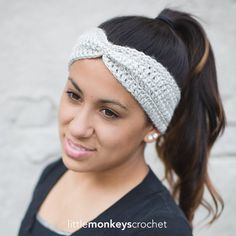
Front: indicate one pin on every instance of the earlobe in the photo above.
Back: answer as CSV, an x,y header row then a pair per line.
x,y
152,132
149,138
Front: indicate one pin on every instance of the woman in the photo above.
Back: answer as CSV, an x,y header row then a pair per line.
x,y
133,80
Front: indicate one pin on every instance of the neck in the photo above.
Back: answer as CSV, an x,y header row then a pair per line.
x,y
126,175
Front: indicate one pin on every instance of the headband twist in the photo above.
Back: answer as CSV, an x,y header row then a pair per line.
x,y
148,81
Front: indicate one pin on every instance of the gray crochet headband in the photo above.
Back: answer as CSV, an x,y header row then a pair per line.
x,y
148,81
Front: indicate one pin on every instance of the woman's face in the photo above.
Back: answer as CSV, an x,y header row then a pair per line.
x,y
116,133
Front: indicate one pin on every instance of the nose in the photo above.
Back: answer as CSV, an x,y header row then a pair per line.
x,y
81,126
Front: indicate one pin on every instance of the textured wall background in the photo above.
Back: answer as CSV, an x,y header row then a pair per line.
x,y
35,42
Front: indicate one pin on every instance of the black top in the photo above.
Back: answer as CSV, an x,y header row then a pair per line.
x,y
147,209
40,229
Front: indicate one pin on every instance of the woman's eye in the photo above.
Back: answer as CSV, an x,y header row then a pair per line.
x,y
110,114
73,96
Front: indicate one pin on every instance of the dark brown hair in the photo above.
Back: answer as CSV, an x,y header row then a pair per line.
x,y
180,43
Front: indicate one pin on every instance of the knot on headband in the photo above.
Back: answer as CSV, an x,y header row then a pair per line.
x,y
148,81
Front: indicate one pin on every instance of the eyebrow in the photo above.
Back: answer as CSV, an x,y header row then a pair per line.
x,y
101,100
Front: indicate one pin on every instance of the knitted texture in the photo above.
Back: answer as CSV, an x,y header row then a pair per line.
x,y
147,80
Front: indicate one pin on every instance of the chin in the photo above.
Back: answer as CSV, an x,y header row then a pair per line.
x,y
77,166
73,164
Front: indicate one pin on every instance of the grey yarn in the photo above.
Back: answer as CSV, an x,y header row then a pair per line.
x,y
148,81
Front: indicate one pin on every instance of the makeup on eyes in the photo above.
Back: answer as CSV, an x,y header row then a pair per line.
x,y
100,101
114,115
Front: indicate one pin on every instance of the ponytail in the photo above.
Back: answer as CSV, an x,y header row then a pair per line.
x,y
177,41
197,122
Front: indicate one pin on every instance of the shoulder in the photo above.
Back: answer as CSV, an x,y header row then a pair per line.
x,y
160,214
164,225
39,193
47,170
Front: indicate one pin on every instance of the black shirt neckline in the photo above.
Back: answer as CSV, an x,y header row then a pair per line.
x,y
147,185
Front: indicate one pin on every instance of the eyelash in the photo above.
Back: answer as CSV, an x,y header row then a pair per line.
x,y
70,94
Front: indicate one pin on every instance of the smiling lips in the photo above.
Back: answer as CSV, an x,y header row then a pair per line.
x,y
75,150
79,146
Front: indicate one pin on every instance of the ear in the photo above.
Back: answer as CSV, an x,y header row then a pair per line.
x,y
151,135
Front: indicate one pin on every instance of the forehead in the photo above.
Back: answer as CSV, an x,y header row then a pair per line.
x,y
95,80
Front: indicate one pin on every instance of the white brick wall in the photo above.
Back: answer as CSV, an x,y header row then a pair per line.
x,y
36,39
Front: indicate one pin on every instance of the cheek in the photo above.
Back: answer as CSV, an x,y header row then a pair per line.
x,y
65,113
118,138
